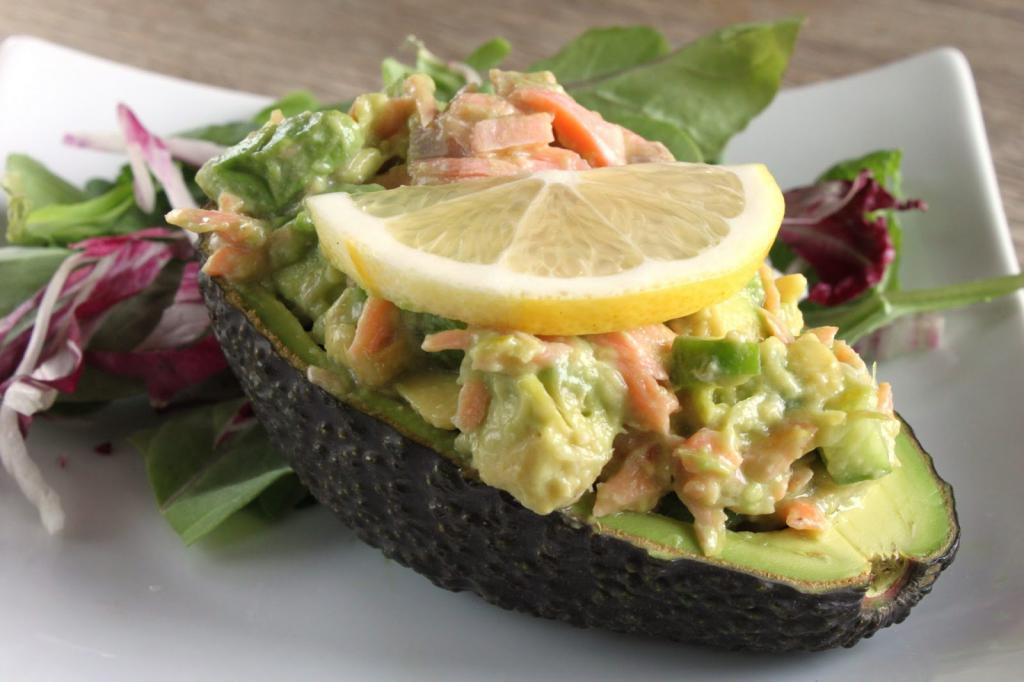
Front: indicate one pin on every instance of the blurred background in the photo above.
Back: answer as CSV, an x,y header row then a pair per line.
x,y
334,47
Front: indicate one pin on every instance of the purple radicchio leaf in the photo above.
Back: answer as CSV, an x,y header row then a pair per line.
x,y
43,342
838,229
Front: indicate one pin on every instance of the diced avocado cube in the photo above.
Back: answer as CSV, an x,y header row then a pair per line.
x,y
861,453
288,245
713,361
309,286
433,394
275,166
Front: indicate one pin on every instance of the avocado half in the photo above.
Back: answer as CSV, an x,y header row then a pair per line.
x,y
384,473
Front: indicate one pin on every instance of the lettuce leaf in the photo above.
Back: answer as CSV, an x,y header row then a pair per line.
x,y
603,52
24,270
206,464
853,207
706,91
133,312
32,184
130,321
46,210
488,55
885,165
838,228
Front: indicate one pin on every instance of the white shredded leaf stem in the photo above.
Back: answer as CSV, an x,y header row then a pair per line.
x,y
26,473
192,151
145,190
13,452
45,312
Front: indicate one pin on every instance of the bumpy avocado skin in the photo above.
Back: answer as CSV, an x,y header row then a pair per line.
x,y
418,508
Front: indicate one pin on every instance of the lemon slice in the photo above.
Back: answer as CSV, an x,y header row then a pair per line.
x,y
558,252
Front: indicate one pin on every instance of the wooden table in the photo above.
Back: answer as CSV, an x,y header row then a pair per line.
x,y
334,47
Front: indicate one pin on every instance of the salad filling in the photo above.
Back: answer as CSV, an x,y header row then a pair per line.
x,y
737,416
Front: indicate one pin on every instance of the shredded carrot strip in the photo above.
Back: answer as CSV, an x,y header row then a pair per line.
x,y
474,399
844,353
634,487
772,300
450,339
827,335
776,327
885,397
637,358
376,327
236,263
803,515
713,442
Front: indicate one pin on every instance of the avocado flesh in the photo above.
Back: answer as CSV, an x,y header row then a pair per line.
x,y
433,394
842,555
846,553
861,454
377,466
302,351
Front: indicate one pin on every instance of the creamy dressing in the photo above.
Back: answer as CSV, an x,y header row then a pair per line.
x,y
554,410
739,447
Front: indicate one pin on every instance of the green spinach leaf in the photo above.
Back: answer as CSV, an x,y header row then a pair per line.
x,y
199,482
488,56
708,90
602,52
283,495
29,185
24,270
45,210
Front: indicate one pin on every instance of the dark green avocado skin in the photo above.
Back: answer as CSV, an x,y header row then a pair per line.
x,y
420,510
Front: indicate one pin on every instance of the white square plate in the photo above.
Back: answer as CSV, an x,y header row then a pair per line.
x,y
118,596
